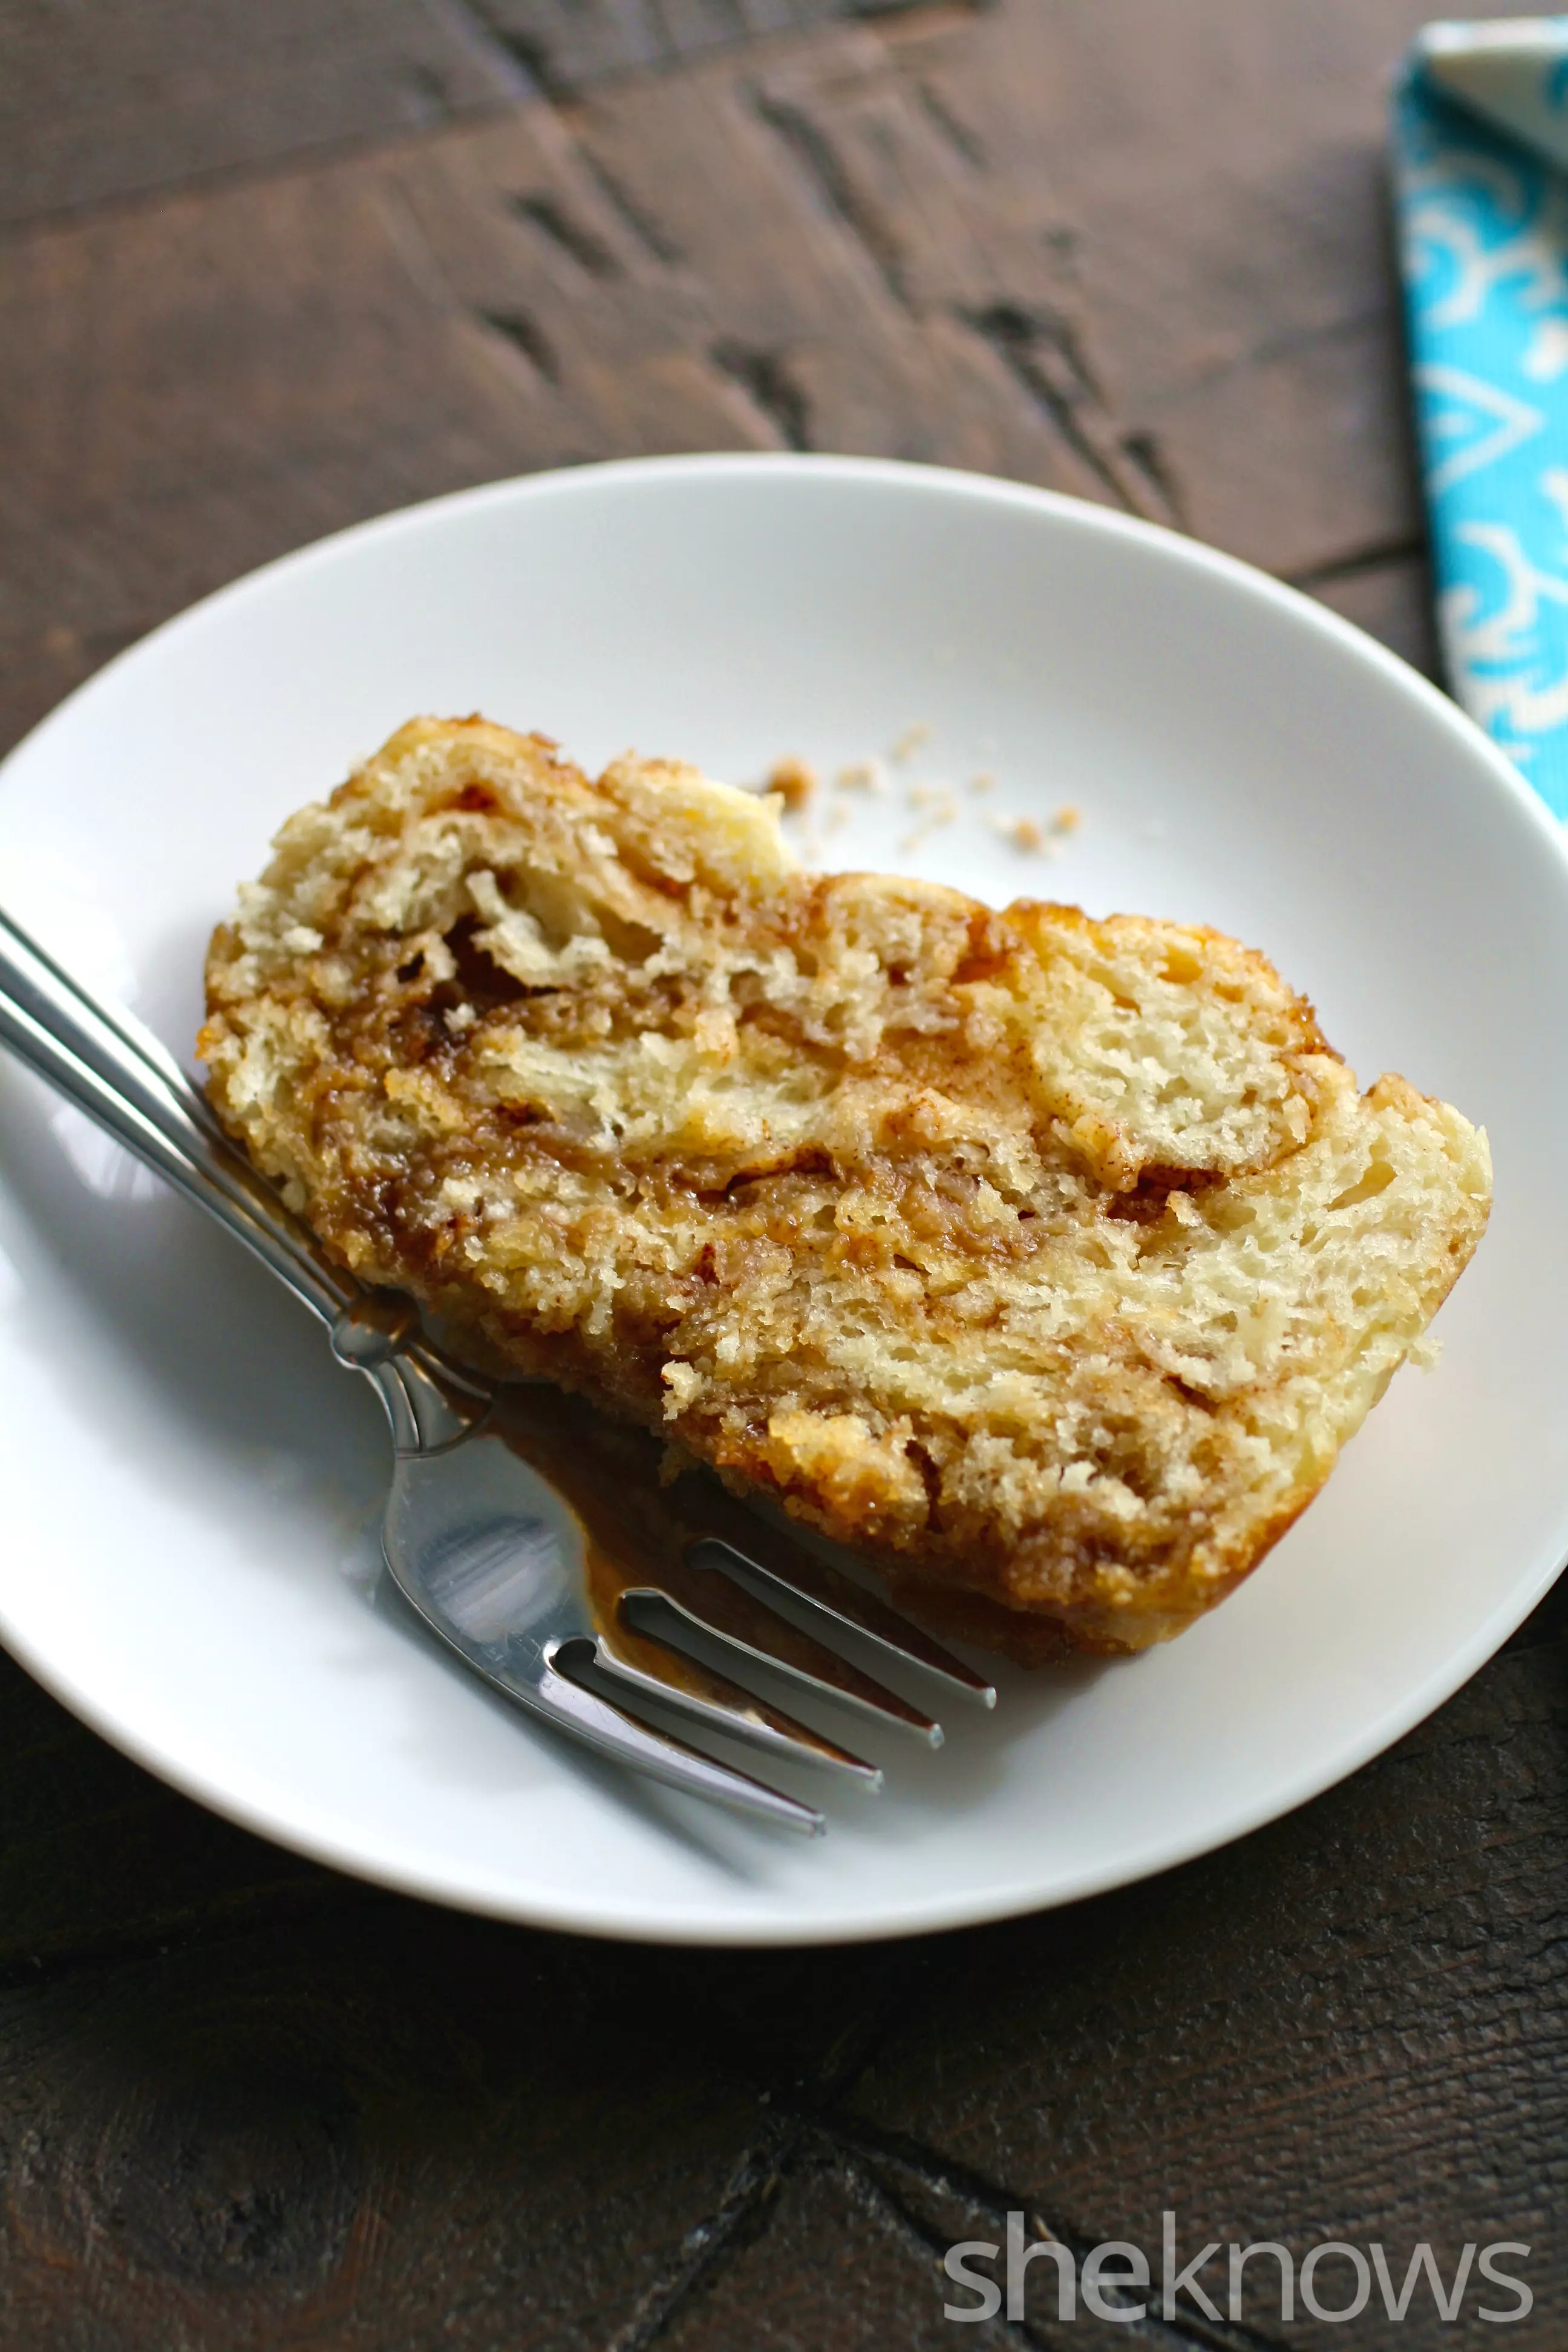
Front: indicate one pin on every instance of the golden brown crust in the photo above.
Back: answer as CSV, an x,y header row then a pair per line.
x,y
1047,1260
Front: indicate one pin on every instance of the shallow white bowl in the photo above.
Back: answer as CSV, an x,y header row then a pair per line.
x,y
189,1555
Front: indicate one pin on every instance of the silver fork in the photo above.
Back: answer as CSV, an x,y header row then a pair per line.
x,y
531,1535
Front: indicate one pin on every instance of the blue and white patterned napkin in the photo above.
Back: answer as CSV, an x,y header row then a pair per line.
x,y
1480,132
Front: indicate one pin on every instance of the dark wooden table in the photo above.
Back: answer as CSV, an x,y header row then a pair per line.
x,y
270,266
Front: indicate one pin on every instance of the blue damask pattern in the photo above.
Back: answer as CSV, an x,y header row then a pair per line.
x,y
1484,231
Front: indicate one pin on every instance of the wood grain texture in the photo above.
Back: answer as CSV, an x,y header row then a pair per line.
x,y
567,44
331,2122
1239,280
1392,601
381,2129
251,2105
105,100
1350,2027
829,2260
902,241
102,98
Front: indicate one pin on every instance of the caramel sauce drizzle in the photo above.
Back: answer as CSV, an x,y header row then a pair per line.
x,y
637,1532
636,1535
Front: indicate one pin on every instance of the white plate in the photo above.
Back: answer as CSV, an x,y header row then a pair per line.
x,y
190,1485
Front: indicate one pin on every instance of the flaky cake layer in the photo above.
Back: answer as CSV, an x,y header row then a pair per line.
x,y
1047,1262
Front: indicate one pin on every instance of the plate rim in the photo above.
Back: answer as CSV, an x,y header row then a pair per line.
x,y
331,1842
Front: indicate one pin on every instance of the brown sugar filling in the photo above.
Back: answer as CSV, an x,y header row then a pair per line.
x,y
1047,1261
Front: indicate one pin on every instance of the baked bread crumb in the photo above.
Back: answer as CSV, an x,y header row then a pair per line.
x,y
1047,1262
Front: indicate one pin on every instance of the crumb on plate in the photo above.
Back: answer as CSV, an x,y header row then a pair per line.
x,y
795,781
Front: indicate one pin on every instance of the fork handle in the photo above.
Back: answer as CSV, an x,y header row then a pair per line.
x,y
126,1081
34,970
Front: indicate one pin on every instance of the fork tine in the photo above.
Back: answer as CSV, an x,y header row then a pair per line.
x,y
627,1739
744,1546
648,1667
720,1605
639,1534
